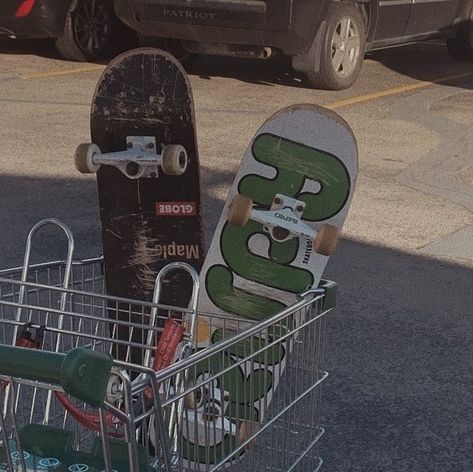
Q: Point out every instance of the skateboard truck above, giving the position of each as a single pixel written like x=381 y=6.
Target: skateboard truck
x=140 y=160
x=283 y=221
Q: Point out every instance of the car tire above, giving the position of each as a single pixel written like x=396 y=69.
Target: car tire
x=342 y=49
x=89 y=28
x=461 y=45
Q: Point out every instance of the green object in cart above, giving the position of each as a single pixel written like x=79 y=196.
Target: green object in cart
x=82 y=373
x=50 y=449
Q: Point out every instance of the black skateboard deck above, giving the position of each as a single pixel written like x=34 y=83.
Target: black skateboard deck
x=150 y=221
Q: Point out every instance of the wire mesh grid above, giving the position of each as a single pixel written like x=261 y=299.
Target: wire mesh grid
x=249 y=400
x=252 y=400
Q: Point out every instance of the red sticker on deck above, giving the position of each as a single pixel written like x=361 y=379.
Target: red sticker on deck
x=176 y=208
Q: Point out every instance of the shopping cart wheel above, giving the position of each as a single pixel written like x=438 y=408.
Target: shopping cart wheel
x=326 y=240
x=84 y=158
x=239 y=211
x=174 y=159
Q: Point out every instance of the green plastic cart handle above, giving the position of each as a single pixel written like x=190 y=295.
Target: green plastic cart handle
x=82 y=373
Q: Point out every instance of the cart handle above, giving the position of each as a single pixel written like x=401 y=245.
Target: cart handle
x=328 y=289
x=82 y=373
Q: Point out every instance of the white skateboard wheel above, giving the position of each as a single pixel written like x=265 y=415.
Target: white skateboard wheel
x=326 y=240
x=174 y=159
x=239 y=211
x=84 y=158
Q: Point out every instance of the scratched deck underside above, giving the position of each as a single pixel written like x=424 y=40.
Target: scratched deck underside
x=146 y=93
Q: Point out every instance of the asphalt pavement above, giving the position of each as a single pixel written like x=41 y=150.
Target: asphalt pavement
x=400 y=343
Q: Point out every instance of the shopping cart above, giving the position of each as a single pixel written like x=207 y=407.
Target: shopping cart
x=92 y=382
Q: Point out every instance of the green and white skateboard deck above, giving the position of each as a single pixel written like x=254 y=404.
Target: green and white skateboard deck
x=278 y=227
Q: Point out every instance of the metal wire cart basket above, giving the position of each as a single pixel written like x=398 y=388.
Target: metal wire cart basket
x=91 y=382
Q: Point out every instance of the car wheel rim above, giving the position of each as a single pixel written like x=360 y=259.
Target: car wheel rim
x=345 y=47
x=91 y=26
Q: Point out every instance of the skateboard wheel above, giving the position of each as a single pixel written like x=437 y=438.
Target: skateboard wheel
x=174 y=159
x=193 y=399
x=190 y=401
x=84 y=158
x=248 y=429
x=326 y=240
x=239 y=211
x=114 y=390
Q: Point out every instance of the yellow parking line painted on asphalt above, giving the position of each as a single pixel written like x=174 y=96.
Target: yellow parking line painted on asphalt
x=396 y=90
x=338 y=104
x=56 y=73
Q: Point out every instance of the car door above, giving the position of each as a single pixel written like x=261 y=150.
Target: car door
x=432 y=16
x=392 y=17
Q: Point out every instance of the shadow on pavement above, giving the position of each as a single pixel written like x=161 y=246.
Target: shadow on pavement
x=38 y=47
x=400 y=357
x=276 y=71
x=426 y=61
x=45 y=48
x=399 y=350
x=30 y=199
x=421 y=61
